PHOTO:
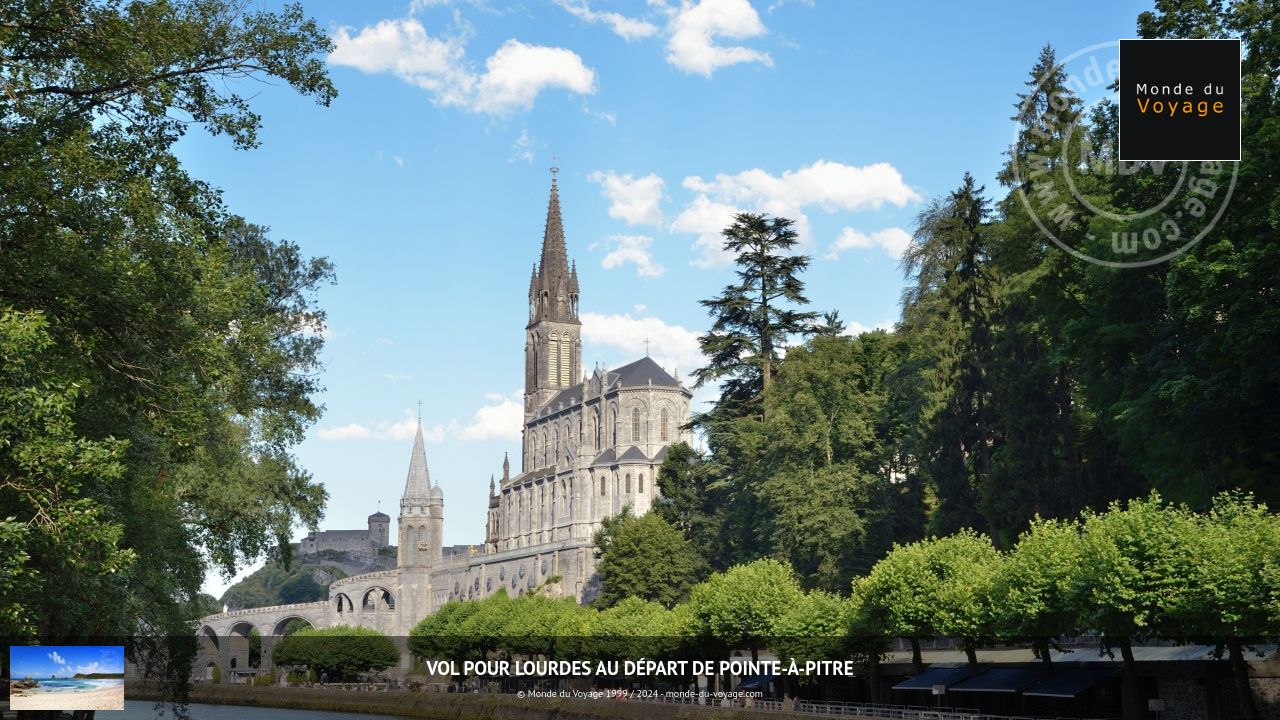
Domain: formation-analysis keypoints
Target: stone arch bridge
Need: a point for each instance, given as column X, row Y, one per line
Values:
column 366, row 600
column 224, row 637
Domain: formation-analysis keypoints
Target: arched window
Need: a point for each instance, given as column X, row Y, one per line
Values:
column 553, row 358
column 627, row 487
column 603, row 490
column 546, row 449
column 555, row 457
column 566, row 358
column 635, row 424
column 641, row 482
column 664, row 425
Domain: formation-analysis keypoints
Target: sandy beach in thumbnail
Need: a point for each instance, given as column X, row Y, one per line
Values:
column 104, row 698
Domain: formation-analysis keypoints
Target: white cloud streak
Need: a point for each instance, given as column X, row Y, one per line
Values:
column 693, row 29
column 512, row 79
column 706, row 219
column 893, row 241
column 671, row 346
column 624, row 27
column 829, row 186
column 637, row 201
column 633, row 249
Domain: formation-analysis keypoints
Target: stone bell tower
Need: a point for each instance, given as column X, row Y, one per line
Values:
column 553, row 336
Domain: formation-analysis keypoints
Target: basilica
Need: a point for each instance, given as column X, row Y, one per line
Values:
column 592, row 445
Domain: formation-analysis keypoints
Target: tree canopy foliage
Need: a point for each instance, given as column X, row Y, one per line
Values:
column 342, row 652
column 159, row 354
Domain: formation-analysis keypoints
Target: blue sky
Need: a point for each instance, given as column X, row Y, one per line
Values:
column 64, row 660
column 426, row 183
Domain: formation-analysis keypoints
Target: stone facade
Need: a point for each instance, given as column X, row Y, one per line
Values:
column 592, row 445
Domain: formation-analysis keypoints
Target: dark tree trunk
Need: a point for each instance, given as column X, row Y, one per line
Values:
column 1067, row 433
column 873, row 678
column 917, row 659
column 971, row 654
column 1132, row 702
column 1240, row 671
column 1042, row 648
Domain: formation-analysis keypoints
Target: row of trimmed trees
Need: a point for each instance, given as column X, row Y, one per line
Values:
column 1140, row 571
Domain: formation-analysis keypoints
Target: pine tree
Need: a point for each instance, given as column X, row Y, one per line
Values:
column 754, row 318
column 951, row 303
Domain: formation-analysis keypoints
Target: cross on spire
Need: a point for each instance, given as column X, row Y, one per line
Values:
column 646, row 347
column 555, row 169
column 419, row 410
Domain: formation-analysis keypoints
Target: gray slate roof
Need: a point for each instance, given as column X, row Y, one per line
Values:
column 634, row 374
column 633, row 454
column 641, row 372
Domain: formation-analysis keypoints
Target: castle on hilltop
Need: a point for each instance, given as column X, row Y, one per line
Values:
column 355, row 542
column 592, row 445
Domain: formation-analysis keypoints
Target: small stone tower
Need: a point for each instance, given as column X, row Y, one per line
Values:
column 421, row 513
column 553, row 336
column 380, row 529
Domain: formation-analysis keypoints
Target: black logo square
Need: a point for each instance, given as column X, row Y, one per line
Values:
column 1179, row 100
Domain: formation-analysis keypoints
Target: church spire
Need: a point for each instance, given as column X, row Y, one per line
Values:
column 553, row 343
column 554, row 290
column 418, row 483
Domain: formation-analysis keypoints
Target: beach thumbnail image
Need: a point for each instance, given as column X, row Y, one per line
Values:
column 66, row 677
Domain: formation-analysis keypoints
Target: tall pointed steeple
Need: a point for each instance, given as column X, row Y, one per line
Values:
column 421, row 522
column 553, row 288
column 553, row 338
column 555, row 258
column 418, row 483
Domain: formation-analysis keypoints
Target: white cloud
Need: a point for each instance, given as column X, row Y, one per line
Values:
column 398, row 160
column 402, row 429
column 706, row 219
column 501, row 419
column 605, row 115
column 853, row 327
column 671, row 346
column 633, row 249
column 779, row 3
column 640, row 307
column 517, row 72
column 418, row 6
column 638, row 201
column 829, row 185
column 512, row 79
column 56, row 658
column 522, row 148
column 893, row 240
column 93, row 667
column 694, row 28
column 627, row 28
column 398, row 377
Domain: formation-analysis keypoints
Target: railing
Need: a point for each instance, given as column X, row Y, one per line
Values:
column 375, row 575
column 267, row 610
column 866, row 711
